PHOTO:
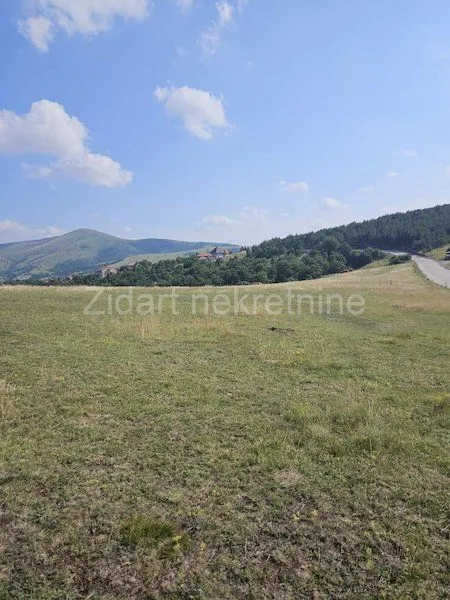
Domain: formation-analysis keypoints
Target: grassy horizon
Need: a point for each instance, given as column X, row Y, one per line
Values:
column 236, row 457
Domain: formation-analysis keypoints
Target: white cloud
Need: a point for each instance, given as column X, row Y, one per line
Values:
column 48, row 130
column 185, row 4
column 8, row 225
column 94, row 169
column 255, row 214
column 219, row 221
column 410, row 153
column 200, row 111
column 393, row 174
column 333, row 204
column 50, row 230
column 39, row 30
column 12, row 231
column 211, row 38
column 249, row 217
column 89, row 17
column 226, row 12
column 297, row 186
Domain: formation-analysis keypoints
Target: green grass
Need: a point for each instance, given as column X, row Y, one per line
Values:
column 440, row 254
column 237, row 457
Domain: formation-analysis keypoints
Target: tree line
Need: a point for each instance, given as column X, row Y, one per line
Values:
column 414, row 231
column 328, row 258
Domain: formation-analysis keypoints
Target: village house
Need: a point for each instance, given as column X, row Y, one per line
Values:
column 220, row 253
column 107, row 270
column 215, row 254
column 204, row 256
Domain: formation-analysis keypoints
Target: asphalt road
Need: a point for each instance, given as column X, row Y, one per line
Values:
column 433, row 270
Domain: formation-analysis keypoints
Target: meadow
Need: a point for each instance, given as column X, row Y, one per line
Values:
column 181, row 456
column 440, row 254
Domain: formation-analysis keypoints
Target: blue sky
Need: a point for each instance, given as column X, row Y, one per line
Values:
column 224, row 121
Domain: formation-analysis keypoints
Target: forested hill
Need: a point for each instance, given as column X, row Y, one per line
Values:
column 414, row 231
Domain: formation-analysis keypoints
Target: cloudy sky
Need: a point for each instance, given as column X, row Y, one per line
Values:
column 234, row 120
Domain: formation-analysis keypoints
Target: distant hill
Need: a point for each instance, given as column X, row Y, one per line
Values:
column 413, row 231
column 84, row 251
column 154, row 258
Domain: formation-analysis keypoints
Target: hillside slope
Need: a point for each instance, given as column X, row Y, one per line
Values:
column 82, row 250
column 155, row 257
column 413, row 231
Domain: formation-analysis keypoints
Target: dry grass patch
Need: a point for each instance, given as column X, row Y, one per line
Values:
column 7, row 399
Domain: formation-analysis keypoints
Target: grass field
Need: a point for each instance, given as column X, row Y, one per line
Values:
column 236, row 457
column 439, row 254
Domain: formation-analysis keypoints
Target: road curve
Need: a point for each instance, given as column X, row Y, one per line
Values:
column 433, row 270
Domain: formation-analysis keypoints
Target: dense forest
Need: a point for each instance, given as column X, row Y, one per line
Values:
column 414, row 231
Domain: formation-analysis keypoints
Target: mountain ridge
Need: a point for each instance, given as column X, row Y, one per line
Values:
column 82, row 251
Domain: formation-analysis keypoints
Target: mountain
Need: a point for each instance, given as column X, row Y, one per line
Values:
column 82, row 251
column 413, row 231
